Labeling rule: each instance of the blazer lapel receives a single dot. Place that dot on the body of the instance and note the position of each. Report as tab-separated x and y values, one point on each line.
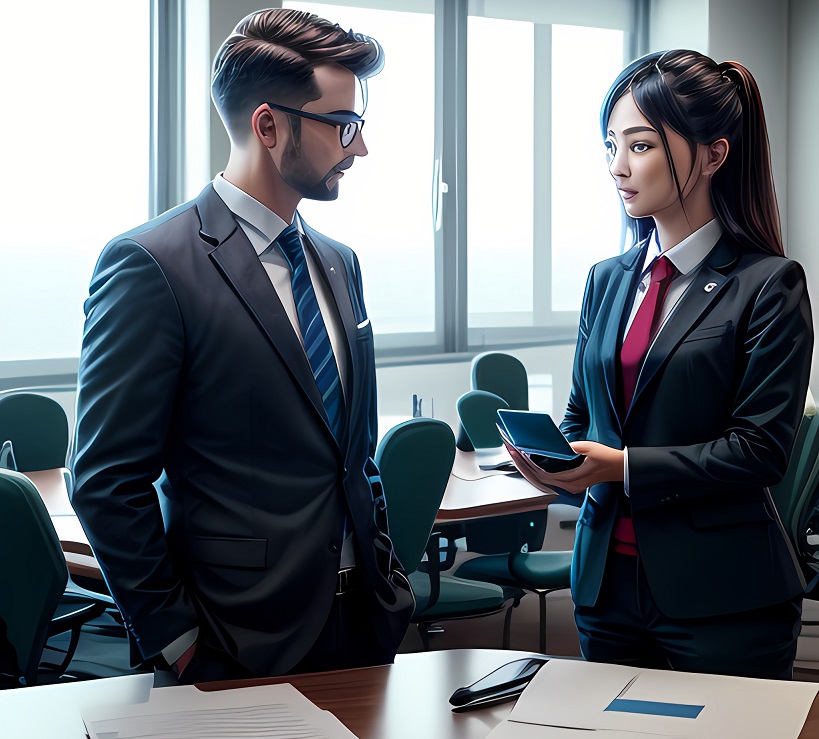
235	258
622	295
704	289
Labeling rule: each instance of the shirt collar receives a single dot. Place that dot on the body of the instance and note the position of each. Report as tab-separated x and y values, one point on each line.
256	216
686	255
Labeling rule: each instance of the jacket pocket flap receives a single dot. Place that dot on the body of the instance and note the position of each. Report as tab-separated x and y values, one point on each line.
709	332
734	515
223	551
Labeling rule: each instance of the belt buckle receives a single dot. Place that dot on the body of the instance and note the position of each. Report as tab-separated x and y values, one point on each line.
344	583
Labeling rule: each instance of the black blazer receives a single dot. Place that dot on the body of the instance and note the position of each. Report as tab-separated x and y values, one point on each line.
207	478
711	426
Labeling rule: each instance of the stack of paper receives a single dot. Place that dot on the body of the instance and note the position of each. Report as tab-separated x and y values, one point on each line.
568	698
185	712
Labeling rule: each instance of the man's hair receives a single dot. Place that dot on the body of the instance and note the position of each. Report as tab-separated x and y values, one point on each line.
270	57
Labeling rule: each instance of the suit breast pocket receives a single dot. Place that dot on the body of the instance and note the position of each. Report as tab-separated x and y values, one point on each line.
704	363
709	332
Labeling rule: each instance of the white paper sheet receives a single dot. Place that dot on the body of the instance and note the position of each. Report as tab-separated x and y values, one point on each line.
576	694
185	712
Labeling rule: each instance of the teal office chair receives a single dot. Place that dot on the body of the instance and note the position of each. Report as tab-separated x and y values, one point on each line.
34	428
796	496
503	375
415	459
35	436
478	414
33	576
506	540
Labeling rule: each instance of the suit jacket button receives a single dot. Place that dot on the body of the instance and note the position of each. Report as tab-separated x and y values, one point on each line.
333	547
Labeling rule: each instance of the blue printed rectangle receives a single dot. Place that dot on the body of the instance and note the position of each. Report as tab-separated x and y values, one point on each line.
655	708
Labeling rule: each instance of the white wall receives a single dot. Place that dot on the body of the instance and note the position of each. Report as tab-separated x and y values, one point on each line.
678	25
755	33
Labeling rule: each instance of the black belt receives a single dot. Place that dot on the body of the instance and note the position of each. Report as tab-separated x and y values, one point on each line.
348	579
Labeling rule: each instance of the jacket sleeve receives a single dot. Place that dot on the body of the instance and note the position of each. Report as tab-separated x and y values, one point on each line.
130	366
774	351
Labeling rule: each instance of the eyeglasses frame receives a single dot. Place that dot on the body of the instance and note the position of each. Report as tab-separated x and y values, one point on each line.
338	119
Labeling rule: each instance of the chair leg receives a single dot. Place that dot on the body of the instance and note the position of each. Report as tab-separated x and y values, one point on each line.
69	652
541	594
507	624
507	627
422	631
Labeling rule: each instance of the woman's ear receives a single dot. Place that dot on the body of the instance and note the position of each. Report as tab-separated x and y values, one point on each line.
264	126
716	154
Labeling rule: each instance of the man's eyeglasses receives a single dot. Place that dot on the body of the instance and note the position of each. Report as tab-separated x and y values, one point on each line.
348	123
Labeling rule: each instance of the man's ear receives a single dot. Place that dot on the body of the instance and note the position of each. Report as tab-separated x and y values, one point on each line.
716	154
264	126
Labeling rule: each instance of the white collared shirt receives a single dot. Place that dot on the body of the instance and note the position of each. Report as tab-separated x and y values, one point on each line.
685	256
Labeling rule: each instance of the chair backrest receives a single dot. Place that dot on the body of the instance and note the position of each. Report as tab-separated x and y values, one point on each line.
33	573
504	375
415	459
37	428
797	495
478	412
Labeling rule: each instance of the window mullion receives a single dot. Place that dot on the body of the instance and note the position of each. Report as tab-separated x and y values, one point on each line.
450	156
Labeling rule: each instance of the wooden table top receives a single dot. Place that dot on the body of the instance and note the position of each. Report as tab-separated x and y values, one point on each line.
410	699
475	493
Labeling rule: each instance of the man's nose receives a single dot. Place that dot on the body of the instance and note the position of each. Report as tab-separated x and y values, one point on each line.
357	147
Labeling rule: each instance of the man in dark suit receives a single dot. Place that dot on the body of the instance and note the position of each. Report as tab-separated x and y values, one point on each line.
226	410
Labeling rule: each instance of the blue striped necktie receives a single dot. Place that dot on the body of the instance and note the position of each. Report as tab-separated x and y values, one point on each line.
314	333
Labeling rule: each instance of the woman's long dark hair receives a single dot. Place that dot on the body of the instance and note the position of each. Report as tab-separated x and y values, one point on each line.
704	101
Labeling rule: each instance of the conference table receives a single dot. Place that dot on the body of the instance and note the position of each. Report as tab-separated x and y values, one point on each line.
406	700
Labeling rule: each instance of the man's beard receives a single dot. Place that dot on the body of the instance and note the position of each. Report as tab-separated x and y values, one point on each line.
299	175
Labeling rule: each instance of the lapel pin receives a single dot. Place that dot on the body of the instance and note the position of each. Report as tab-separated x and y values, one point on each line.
333	270
710	286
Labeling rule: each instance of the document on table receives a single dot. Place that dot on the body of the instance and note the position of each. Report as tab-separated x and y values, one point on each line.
575	697
185	712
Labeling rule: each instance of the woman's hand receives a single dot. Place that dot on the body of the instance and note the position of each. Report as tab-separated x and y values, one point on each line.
602	464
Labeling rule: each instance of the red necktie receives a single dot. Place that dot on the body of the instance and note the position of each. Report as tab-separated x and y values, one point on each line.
644	326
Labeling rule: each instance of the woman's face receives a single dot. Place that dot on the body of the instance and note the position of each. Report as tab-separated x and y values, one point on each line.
638	162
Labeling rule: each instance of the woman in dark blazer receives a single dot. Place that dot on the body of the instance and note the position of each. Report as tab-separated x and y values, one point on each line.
689	382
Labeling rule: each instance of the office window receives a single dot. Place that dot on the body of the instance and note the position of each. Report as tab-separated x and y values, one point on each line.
383	211
75	132
538	201
500	171
541	206
586	212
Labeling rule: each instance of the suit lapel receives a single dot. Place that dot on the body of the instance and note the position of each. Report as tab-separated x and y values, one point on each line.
695	301
235	258
622	296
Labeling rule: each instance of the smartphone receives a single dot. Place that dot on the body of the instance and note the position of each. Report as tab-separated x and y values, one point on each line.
537	435
504	684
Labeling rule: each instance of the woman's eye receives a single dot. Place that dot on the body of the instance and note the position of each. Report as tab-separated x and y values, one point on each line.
609	151
640	147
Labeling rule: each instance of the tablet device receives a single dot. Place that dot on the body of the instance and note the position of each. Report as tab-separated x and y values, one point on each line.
537	435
